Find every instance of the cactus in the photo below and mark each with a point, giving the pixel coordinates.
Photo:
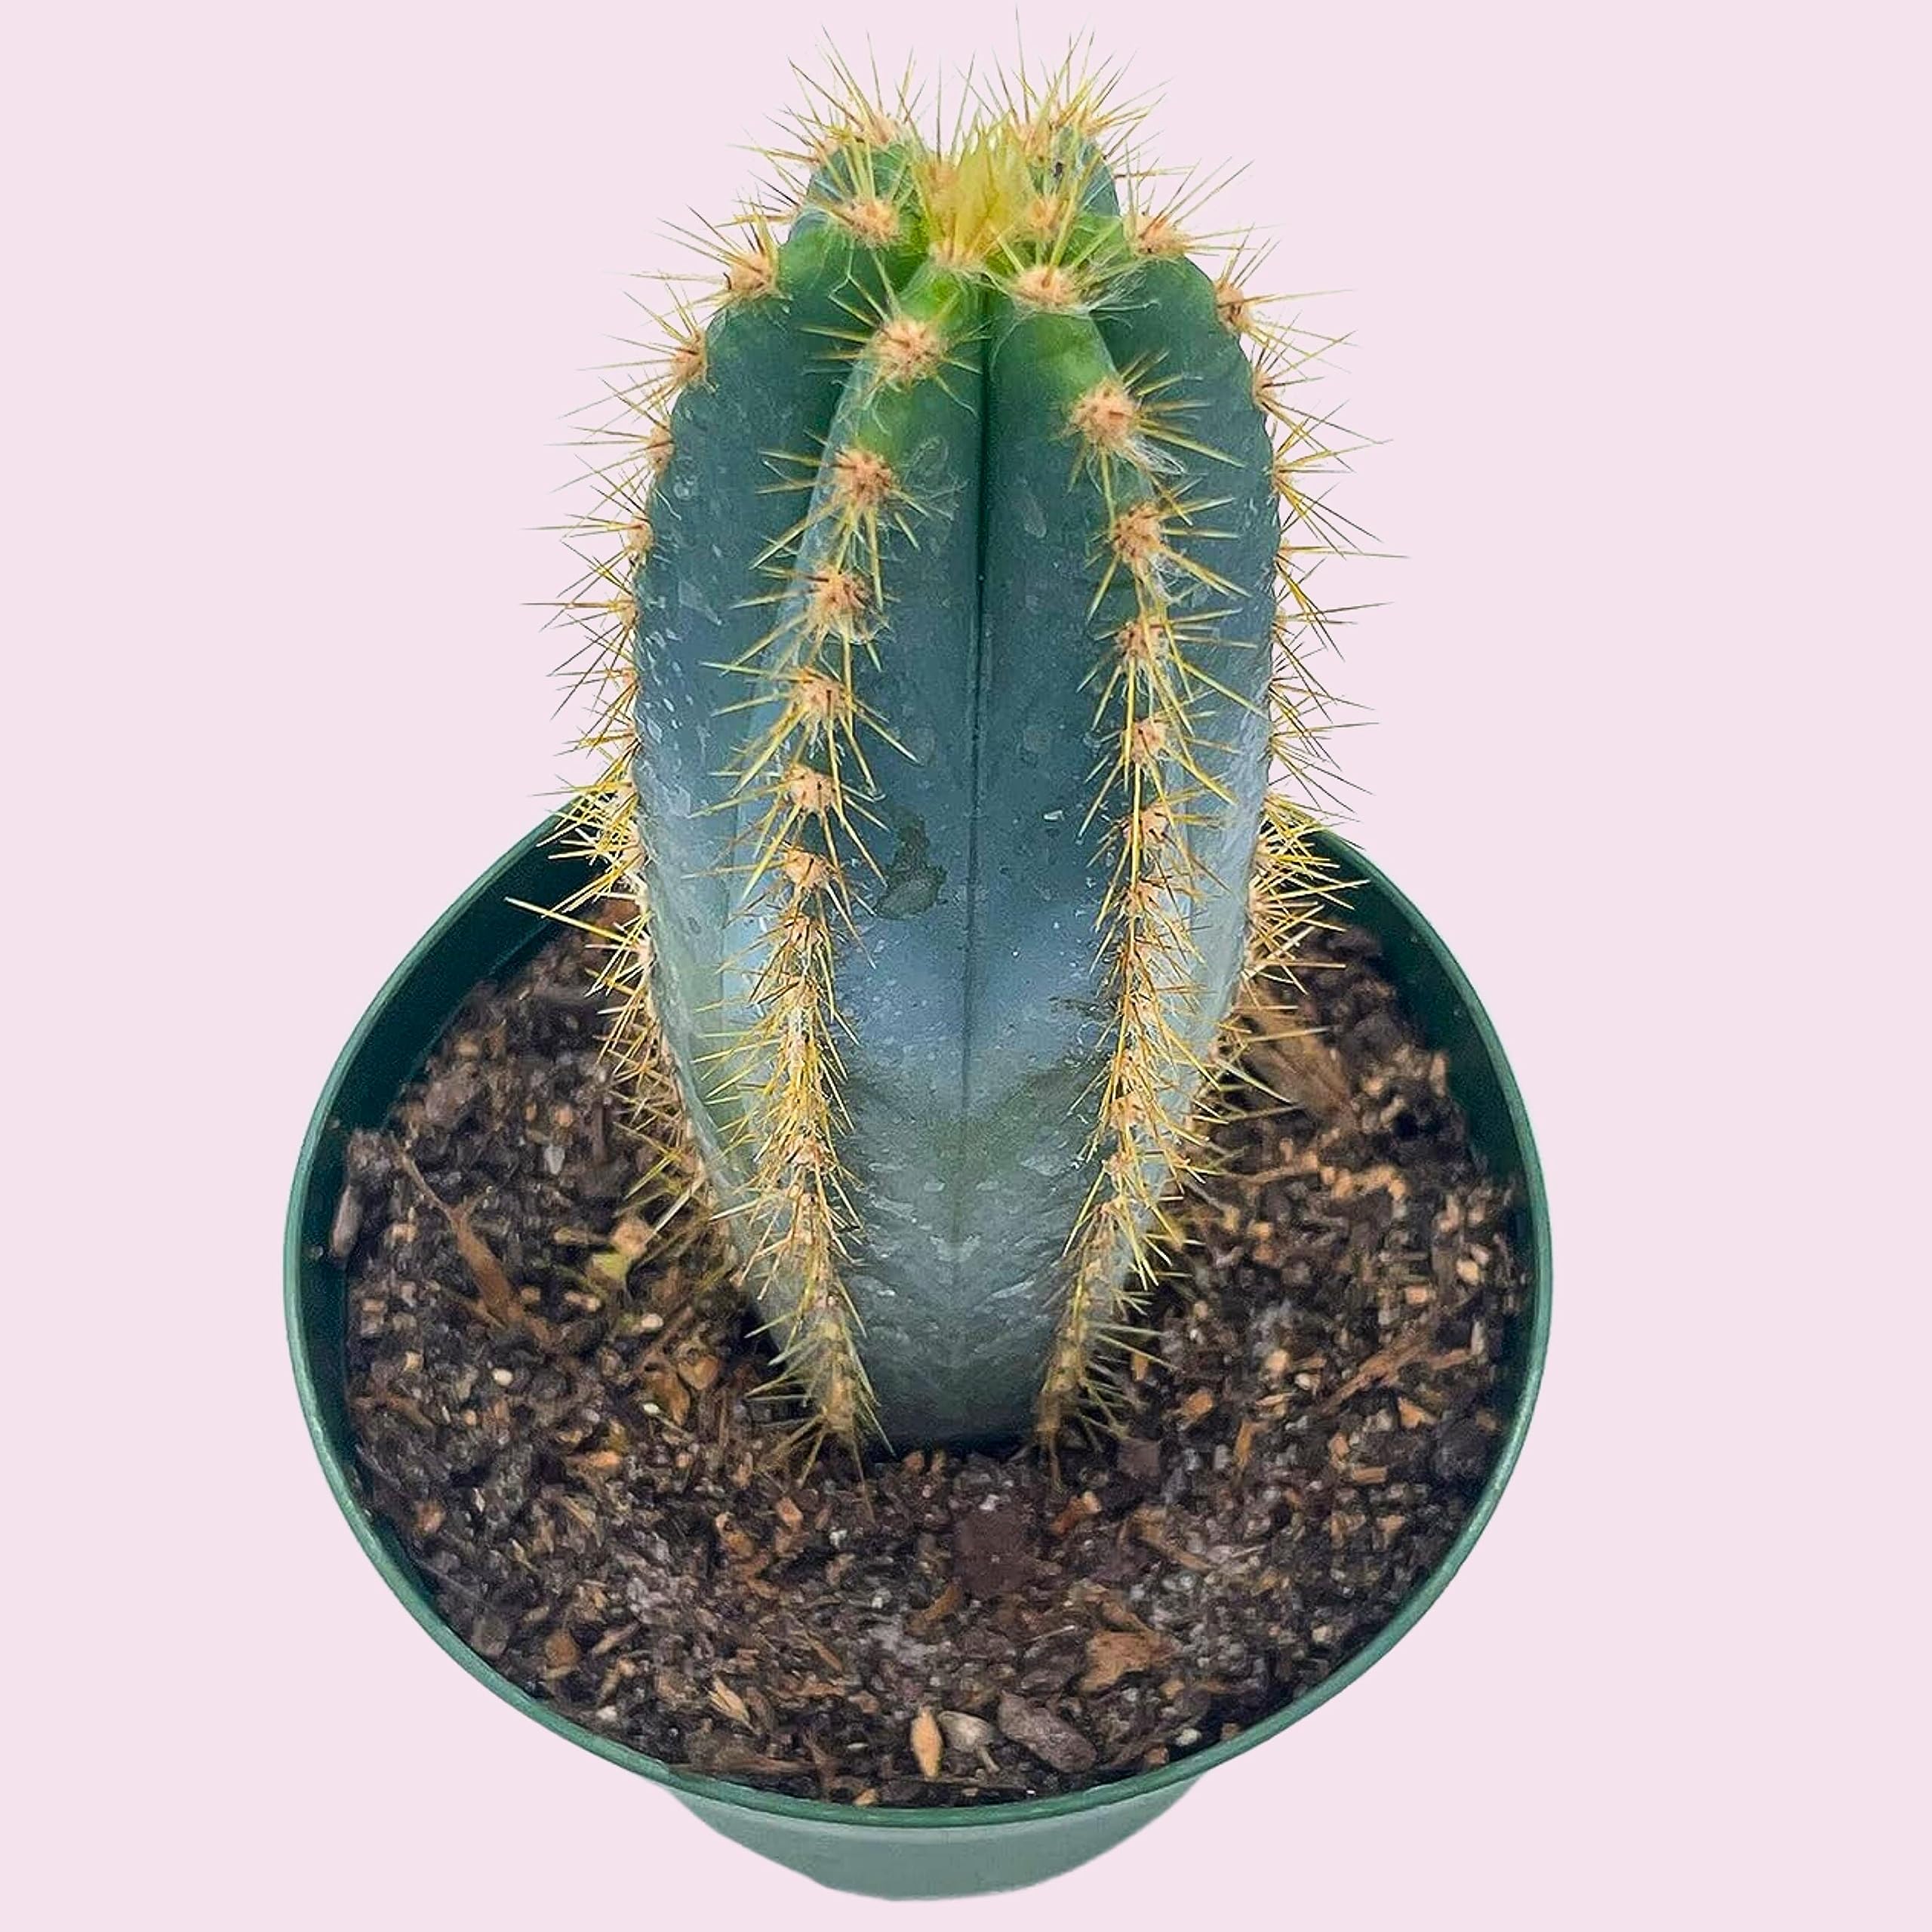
(952, 620)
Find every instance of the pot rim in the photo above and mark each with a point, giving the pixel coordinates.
(402, 1580)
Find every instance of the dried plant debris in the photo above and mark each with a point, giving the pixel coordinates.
(590, 1472)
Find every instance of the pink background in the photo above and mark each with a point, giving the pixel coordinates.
(297, 300)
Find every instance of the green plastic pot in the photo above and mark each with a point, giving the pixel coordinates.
(888, 1853)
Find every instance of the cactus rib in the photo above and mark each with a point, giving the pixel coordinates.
(808, 767)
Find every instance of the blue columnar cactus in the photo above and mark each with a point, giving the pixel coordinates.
(952, 635)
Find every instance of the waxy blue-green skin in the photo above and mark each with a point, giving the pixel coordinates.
(973, 993)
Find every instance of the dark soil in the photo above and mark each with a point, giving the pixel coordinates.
(560, 1419)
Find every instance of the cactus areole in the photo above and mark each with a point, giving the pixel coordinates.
(951, 626)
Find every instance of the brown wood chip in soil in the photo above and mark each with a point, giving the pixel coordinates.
(556, 1406)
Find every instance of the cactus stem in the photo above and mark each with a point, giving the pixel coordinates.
(913, 249)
